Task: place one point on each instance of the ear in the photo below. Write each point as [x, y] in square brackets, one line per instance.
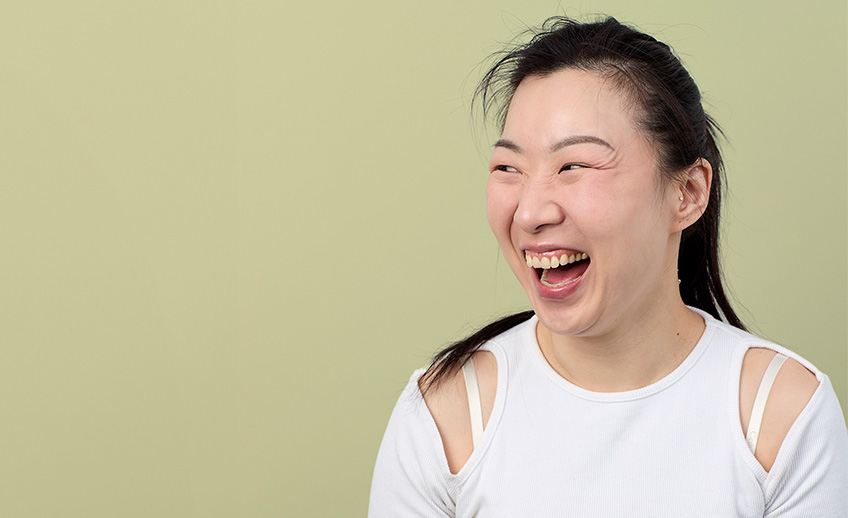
[694, 187]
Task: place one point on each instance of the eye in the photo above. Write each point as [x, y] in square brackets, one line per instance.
[571, 167]
[505, 168]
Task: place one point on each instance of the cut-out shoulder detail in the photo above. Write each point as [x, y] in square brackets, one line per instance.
[487, 378]
[793, 387]
[448, 404]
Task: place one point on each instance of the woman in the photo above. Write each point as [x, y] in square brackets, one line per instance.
[631, 388]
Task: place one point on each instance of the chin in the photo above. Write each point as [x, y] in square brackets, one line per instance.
[568, 315]
[565, 321]
[563, 326]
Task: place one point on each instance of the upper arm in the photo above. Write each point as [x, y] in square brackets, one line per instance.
[793, 387]
[409, 477]
[448, 404]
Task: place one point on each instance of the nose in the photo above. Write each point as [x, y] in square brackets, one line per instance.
[538, 208]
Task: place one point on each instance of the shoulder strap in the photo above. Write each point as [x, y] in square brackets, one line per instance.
[474, 405]
[760, 401]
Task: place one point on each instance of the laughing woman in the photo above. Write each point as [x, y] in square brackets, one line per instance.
[631, 388]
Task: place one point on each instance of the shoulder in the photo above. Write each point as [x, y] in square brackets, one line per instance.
[803, 442]
[793, 388]
[410, 473]
[448, 404]
[410, 447]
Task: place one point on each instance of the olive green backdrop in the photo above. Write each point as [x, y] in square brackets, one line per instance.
[231, 230]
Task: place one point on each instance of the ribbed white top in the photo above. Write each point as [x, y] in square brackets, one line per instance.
[674, 448]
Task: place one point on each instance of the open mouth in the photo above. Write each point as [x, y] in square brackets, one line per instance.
[558, 271]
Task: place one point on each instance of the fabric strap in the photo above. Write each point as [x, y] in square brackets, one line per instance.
[474, 405]
[760, 401]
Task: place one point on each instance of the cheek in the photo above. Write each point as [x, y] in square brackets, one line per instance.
[501, 204]
[610, 202]
[596, 207]
[624, 219]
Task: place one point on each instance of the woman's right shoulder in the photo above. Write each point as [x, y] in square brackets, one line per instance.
[450, 406]
[410, 474]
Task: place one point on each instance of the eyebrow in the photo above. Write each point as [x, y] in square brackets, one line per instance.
[567, 141]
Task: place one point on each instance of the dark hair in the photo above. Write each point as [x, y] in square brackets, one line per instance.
[669, 111]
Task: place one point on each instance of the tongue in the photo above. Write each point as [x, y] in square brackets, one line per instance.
[566, 273]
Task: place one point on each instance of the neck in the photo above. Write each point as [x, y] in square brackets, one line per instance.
[633, 355]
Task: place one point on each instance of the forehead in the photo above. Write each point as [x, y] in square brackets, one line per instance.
[545, 109]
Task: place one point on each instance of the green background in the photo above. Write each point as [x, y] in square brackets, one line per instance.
[231, 230]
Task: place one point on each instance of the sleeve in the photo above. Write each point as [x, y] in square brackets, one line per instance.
[810, 474]
[411, 477]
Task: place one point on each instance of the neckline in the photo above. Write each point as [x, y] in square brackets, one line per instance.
[628, 395]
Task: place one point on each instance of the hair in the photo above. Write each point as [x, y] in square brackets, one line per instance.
[668, 111]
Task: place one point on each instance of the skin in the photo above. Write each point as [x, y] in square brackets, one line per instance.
[572, 171]
[614, 333]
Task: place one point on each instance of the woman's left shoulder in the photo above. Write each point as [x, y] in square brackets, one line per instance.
[799, 402]
[791, 391]
[803, 442]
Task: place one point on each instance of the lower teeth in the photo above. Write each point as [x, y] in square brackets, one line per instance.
[546, 283]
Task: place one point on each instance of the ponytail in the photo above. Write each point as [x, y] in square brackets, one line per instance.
[450, 358]
[698, 260]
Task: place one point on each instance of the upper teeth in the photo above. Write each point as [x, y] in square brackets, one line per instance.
[547, 263]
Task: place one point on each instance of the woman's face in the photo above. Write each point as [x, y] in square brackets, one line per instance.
[574, 181]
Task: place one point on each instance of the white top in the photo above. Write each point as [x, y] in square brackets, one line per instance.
[674, 448]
